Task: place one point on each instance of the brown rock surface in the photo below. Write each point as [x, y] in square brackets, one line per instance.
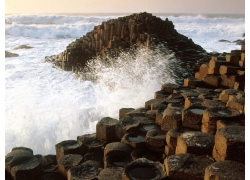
[156, 138]
[105, 129]
[187, 166]
[212, 115]
[69, 147]
[143, 169]
[225, 170]
[192, 116]
[230, 144]
[68, 161]
[171, 117]
[195, 142]
[111, 173]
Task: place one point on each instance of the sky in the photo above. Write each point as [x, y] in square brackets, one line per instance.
[125, 6]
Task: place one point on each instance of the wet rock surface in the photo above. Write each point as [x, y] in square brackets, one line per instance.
[230, 144]
[143, 169]
[225, 170]
[10, 54]
[111, 38]
[187, 166]
[24, 46]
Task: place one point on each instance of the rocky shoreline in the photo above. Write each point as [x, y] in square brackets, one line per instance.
[192, 130]
[124, 34]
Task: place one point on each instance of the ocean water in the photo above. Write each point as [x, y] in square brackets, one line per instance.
[46, 105]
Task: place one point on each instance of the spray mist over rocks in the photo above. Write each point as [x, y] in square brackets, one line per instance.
[130, 79]
[54, 105]
[135, 67]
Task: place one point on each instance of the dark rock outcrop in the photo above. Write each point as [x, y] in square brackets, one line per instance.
[111, 38]
[9, 54]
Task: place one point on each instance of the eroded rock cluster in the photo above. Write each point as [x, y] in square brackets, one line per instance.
[190, 131]
[118, 35]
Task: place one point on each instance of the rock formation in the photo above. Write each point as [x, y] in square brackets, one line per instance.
[117, 35]
[190, 131]
[9, 54]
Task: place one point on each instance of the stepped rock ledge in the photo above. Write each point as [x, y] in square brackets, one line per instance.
[111, 38]
[192, 131]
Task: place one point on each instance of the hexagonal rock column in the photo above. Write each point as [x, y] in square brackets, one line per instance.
[123, 111]
[211, 115]
[158, 106]
[161, 94]
[16, 156]
[83, 171]
[151, 114]
[146, 153]
[152, 101]
[191, 101]
[230, 144]
[20, 163]
[156, 140]
[139, 112]
[158, 117]
[96, 145]
[169, 87]
[144, 128]
[171, 139]
[50, 176]
[192, 116]
[212, 80]
[117, 154]
[69, 147]
[225, 123]
[126, 125]
[237, 104]
[134, 139]
[143, 168]
[68, 161]
[227, 169]
[195, 142]
[111, 173]
[175, 99]
[95, 157]
[224, 95]
[187, 166]
[105, 129]
[171, 117]
[49, 164]
[86, 137]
